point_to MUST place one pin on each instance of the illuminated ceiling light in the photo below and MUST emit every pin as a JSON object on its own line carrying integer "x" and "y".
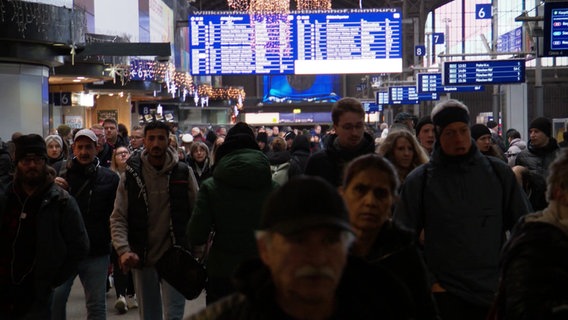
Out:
{"x": 76, "y": 80}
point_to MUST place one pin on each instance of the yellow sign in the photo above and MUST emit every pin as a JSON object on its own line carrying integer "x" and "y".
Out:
{"x": 297, "y": 111}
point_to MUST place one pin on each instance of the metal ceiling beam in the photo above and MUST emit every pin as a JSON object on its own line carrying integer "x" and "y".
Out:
{"x": 161, "y": 49}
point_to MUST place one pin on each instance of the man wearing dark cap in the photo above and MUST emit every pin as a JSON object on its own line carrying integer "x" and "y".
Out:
{"x": 94, "y": 188}
{"x": 348, "y": 142}
{"x": 289, "y": 138}
{"x": 42, "y": 235}
{"x": 463, "y": 202}
{"x": 304, "y": 271}
{"x": 230, "y": 204}
{"x": 541, "y": 149}
{"x": 404, "y": 120}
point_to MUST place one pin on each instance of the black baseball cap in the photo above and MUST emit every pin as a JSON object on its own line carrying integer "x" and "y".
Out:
{"x": 302, "y": 203}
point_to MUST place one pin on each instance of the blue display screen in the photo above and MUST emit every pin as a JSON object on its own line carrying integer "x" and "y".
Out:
{"x": 326, "y": 42}
{"x": 484, "y": 72}
{"x": 301, "y": 88}
{"x": 432, "y": 82}
{"x": 555, "y": 28}
{"x": 409, "y": 95}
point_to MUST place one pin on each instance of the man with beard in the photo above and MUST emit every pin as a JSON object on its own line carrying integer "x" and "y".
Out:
{"x": 94, "y": 188}
{"x": 42, "y": 235}
{"x": 157, "y": 192}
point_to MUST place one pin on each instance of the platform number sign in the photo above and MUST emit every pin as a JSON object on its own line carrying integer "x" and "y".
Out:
{"x": 419, "y": 51}
{"x": 438, "y": 38}
{"x": 483, "y": 11}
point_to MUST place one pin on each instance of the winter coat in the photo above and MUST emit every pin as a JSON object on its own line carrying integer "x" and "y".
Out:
{"x": 364, "y": 292}
{"x": 395, "y": 250}
{"x": 534, "y": 271}
{"x": 201, "y": 173}
{"x": 145, "y": 229}
{"x": 62, "y": 242}
{"x": 279, "y": 165}
{"x": 464, "y": 205}
{"x": 94, "y": 189}
{"x": 515, "y": 147}
{"x": 538, "y": 159}
{"x": 230, "y": 203}
{"x": 330, "y": 162}
{"x": 299, "y": 155}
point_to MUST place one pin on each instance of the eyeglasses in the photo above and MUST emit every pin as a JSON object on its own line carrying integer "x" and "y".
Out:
{"x": 35, "y": 159}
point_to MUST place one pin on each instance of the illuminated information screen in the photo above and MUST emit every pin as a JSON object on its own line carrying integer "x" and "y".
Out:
{"x": 484, "y": 72}
{"x": 432, "y": 82}
{"x": 409, "y": 95}
{"x": 559, "y": 29}
{"x": 330, "y": 42}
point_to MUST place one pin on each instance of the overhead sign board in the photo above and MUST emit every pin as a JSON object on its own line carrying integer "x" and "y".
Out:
{"x": 313, "y": 42}
{"x": 511, "y": 41}
{"x": 382, "y": 97}
{"x": 409, "y": 95}
{"x": 484, "y": 72}
{"x": 432, "y": 82}
{"x": 483, "y": 11}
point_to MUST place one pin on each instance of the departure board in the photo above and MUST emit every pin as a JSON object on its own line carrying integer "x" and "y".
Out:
{"x": 432, "y": 82}
{"x": 311, "y": 42}
{"x": 409, "y": 95}
{"x": 484, "y": 72}
{"x": 555, "y": 29}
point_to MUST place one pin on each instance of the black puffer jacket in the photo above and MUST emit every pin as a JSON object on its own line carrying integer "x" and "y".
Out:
{"x": 94, "y": 188}
{"x": 538, "y": 159}
{"x": 534, "y": 273}
{"x": 330, "y": 162}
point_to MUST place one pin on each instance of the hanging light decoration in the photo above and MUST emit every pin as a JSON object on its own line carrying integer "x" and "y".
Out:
{"x": 313, "y": 4}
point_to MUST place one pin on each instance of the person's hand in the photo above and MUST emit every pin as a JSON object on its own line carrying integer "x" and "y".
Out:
{"x": 128, "y": 260}
{"x": 61, "y": 182}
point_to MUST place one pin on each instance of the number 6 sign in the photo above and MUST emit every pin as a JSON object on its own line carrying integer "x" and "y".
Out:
{"x": 483, "y": 11}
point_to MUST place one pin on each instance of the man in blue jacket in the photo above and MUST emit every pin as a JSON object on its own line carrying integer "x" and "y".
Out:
{"x": 42, "y": 235}
{"x": 464, "y": 203}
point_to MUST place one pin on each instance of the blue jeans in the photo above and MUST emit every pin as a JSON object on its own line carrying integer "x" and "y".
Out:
{"x": 147, "y": 285}
{"x": 93, "y": 273}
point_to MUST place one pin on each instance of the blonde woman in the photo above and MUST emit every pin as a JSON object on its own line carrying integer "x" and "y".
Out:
{"x": 403, "y": 150}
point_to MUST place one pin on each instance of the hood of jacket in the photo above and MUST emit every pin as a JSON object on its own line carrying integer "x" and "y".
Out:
{"x": 244, "y": 168}
{"x": 171, "y": 161}
{"x": 278, "y": 157}
{"x": 517, "y": 142}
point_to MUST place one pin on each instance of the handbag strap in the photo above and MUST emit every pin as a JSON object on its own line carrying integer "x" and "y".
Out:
{"x": 172, "y": 235}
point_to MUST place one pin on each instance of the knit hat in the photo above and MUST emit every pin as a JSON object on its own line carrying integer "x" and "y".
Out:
{"x": 30, "y": 144}
{"x": 402, "y": 116}
{"x": 478, "y": 130}
{"x": 290, "y": 135}
{"x": 422, "y": 122}
{"x": 449, "y": 111}
{"x": 54, "y": 137}
{"x": 240, "y": 136}
{"x": 302, "y": 203}
{"x": 542, "y": 124}
{"x": 262, "y": 137}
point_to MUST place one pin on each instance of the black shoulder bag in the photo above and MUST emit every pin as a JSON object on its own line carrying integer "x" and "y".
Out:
{"x": 181, "y": 270}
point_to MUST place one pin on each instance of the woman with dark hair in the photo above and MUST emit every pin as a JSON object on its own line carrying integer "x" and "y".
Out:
{"x": 481, "y": 134}
{"x": 370, "y": 190}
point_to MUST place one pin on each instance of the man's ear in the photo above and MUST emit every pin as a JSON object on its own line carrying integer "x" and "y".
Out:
{"x": 262, "y": 246}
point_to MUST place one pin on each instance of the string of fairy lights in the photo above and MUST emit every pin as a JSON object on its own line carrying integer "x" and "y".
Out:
{"x": 276, "y": 6}
{"x": 178, "y": 83}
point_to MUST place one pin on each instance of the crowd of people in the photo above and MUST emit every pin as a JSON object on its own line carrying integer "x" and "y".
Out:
{"x": 430, "y": 218}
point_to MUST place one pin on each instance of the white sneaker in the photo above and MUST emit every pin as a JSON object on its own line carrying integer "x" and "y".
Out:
{"x": 132, "y": 303}
{"x": 120, "y": 304}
